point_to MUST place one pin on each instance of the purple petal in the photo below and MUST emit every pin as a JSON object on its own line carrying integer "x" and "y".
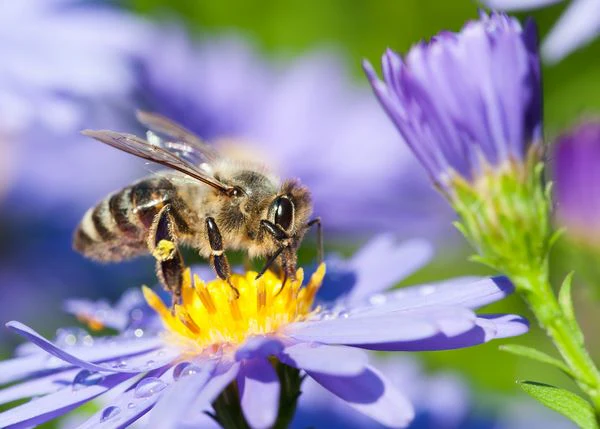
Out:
{"x": 224, "y": 374}
{"x": 578, "y": 25}
{"x": 42, "y": 342}
{"x": 488, "y": 327}
{"x": 469, "y": 292}
{"x": 371, "y": 394}
{"x": 382, "y": 263}
{"x": 324, "y": 359}
{"x": 38, "y": 386}
{"x": 258, "y": 384}
{"x": 47, "y": 407}
{"x": 385, "y": 327}
{"x": 259, "y": 346}
{"x": 132, "y": 404}
{"x": 179, "y": 396}
{"x": 100, "y": 311}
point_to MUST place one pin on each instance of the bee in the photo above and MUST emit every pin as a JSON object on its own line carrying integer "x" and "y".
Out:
{"x": 206, "y": 200}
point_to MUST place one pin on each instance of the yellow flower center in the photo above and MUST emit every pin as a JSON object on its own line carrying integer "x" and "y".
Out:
{"x": 210, "y": 314}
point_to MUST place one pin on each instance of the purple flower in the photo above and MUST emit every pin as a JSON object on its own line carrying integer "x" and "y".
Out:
{"x": 576, "y": 157}
{"x": 466, "y": 101}
{"x": 65, "y": 70}
{"x": 212, "y": 340}
{"x": 304, "y": 117}
{"x": 578, "y": 25}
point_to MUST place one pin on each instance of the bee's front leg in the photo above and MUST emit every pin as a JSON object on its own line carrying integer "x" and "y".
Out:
{"x": 162, "y": 244}
{"x": 218, "y": 258}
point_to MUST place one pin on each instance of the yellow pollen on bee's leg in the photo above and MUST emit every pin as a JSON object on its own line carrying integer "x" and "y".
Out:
{"x": 164, "y": 250}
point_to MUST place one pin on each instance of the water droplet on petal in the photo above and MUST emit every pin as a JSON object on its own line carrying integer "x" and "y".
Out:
{"x": 343, "y": 314}
{"x": 131, "y": 405}
{"x": 85, "y": 378}
{"x": 179, "y": 368}
{"x": 119, "y": 364}
{"x": 150, "y": 363}
{"x": 149, "y": 386}
{"x": 139, "y": 333}
{"x": 377, "y": 299}
{"x": 109, "y": 413}
{"x": 190, "y": 370}
{"x": 427, "y": 290}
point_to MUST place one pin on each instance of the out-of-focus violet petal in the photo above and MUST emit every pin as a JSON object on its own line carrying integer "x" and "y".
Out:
{"x": 371, "y": 394}
{"x": 259, "y": 388}
{"x": 325, "y": 359}
{"x": 259, "y": 346}
{"x": 382, "y": 263}
{"x": 469, "y": 292}
{"x": 486, "y": 329}
{"x": 46, "y": 407}
{"x": 42, "y": 342}
{"x": 512, "y": 5}
{"x": 384, "y": 327}
{"x": 38, "y": 386}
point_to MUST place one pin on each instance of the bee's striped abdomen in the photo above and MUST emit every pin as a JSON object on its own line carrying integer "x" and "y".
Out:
{"x": 117, "y": 228}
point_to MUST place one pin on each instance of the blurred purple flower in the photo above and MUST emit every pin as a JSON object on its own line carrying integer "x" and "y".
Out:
{"x": 466, "y": 100}
{"x": 179, "y": 386}
{"x": 576, "y": 158}
{"x": 68, "y": 68}
{"x": 306, "y": 117}
{"x": 579, "y": 24}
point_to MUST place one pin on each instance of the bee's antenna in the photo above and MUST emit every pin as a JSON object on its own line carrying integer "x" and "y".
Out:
{"x": 269, "y": 262}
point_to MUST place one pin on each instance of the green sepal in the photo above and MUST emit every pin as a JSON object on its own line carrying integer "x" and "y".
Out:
{"x": 564, "y": 402}
{"x": 565, "y": 300}
{"x": 534, "y": 354}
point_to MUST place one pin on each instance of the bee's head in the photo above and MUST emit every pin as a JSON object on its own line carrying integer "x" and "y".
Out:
{"x": 291, "y": 209}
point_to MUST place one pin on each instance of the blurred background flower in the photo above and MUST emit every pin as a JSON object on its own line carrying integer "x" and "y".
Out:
{"x": 579, "y": 24}
{"x": 284, "y": 79}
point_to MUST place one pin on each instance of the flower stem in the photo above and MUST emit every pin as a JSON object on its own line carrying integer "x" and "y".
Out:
{"x": 565, "y": 334}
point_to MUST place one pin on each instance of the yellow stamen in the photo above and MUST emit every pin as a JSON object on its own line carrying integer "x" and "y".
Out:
{"x": 209, "y": 315}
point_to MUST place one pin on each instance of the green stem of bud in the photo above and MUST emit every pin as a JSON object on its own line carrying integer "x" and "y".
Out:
{"x": 538, "y": 293}
{"x": 505, "y": 215}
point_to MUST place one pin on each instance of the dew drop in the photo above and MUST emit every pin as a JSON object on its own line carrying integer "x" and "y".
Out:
{"x": 148, "y": 387}
{"x": 179, "y": 368}
{"x": 150, "y": 363}
{"x": 119, "y": 364}
{"x": 377, "y": 299}
{"x": 427, "y": 290}
{"x": 139, "y": 333}
{"x": 131, "y": 405}
{"x": 109, "y": 413}
{"x": 343, "y": 314}
{"x": 190, "y": 370}
{"x": 85, "y": 378}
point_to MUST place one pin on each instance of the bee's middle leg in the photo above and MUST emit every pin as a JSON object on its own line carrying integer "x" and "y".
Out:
{"x": 218, "y": 258}
{"x": 170, "y": 267}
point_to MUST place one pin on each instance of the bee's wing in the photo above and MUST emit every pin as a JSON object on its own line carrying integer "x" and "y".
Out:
{"x": 186, "y": 144}
{"x": 139, "y": 147}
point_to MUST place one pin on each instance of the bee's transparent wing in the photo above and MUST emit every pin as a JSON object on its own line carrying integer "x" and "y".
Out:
{"x": 139, "y": 147}
{"x": 179, "y": 140}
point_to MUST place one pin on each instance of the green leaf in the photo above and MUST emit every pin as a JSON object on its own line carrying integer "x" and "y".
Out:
{"x": 564, "y": 402}
{"x": 534, "y": 354}
{"x": 565, "y": 300}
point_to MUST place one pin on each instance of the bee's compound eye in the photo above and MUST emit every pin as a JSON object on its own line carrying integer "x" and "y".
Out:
{"x": 284, "y": 212}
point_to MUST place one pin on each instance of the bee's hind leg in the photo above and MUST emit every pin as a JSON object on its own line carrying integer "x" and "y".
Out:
{"x": 218, "y": 258}
{"x": 162, "y": 244}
